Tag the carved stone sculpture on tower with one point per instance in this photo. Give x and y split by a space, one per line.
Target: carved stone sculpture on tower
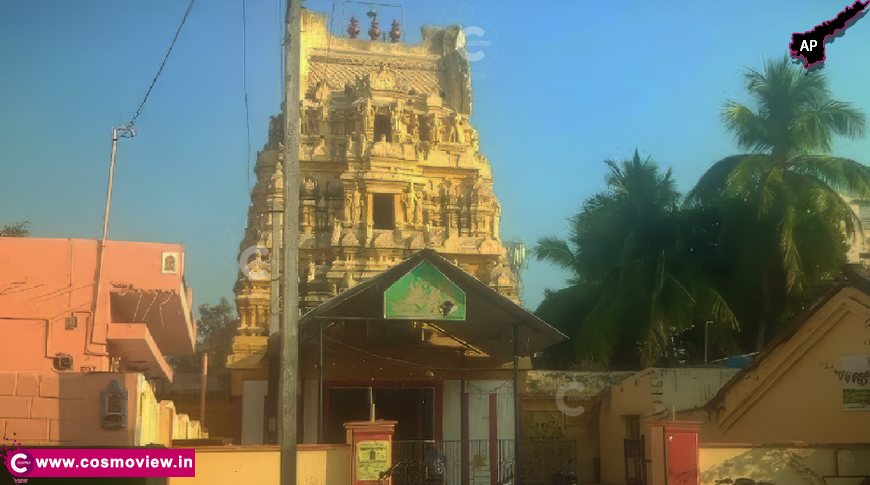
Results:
375 31
336 232
395 32
278 177
410 199
432 194
354 29
356 213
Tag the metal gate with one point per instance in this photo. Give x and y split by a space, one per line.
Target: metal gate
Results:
427 462
635 462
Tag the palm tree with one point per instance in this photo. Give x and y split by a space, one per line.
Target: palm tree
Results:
788 132
625 253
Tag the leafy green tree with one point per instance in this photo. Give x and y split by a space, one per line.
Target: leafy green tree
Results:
634 287
214 334
788 177
15 229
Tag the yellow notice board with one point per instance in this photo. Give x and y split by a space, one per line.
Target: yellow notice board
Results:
372 458
855 374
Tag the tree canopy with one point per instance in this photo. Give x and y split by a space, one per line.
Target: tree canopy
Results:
214 334
788 177
15 229
760 236
634 287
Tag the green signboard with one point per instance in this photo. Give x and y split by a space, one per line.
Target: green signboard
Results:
424 293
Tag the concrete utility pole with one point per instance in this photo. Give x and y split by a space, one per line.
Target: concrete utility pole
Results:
203 393
290 320
117 132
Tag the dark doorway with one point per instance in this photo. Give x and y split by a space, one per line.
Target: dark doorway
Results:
346 405
383 128
383 211
413 409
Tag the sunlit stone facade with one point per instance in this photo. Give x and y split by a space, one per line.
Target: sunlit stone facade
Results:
389 165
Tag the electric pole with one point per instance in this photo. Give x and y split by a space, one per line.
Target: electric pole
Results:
117 132
290 260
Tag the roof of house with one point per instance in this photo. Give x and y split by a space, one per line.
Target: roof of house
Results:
849 278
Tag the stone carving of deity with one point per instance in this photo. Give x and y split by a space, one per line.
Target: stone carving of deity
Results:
451 133
409 199
336 232
436 133
397 114
369 116
414 127
278 177
311 270
496 220
348 206
309 186
418 209
258 269
357 208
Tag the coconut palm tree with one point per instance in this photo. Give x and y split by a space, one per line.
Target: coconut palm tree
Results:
628 262
787 130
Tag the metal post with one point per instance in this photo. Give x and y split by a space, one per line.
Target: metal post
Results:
290 283
274 300
706 333
320 390
517 438
111 180
129 132
204 393
464 435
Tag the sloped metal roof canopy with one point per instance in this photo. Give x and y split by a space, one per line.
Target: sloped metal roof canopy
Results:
489 316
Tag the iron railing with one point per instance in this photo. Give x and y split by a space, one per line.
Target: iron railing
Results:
429 462
635 462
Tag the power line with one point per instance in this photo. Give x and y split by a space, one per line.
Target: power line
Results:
245 88
138 111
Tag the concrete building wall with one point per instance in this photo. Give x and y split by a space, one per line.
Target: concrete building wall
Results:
795 394
48 280
47 408
648 395
235 465
316 465
478 409
253 412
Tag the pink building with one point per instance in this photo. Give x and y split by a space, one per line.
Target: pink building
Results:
84 332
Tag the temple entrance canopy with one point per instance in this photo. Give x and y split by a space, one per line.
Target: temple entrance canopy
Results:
432 312
402 346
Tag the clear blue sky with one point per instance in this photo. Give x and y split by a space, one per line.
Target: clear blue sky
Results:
565 85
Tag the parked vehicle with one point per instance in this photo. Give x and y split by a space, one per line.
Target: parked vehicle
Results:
566 476
385 475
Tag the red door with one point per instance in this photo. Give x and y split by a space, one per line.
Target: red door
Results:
682 457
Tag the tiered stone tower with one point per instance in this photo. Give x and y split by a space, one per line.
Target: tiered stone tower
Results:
389 165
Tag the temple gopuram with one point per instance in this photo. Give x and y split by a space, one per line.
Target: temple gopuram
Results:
389 165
